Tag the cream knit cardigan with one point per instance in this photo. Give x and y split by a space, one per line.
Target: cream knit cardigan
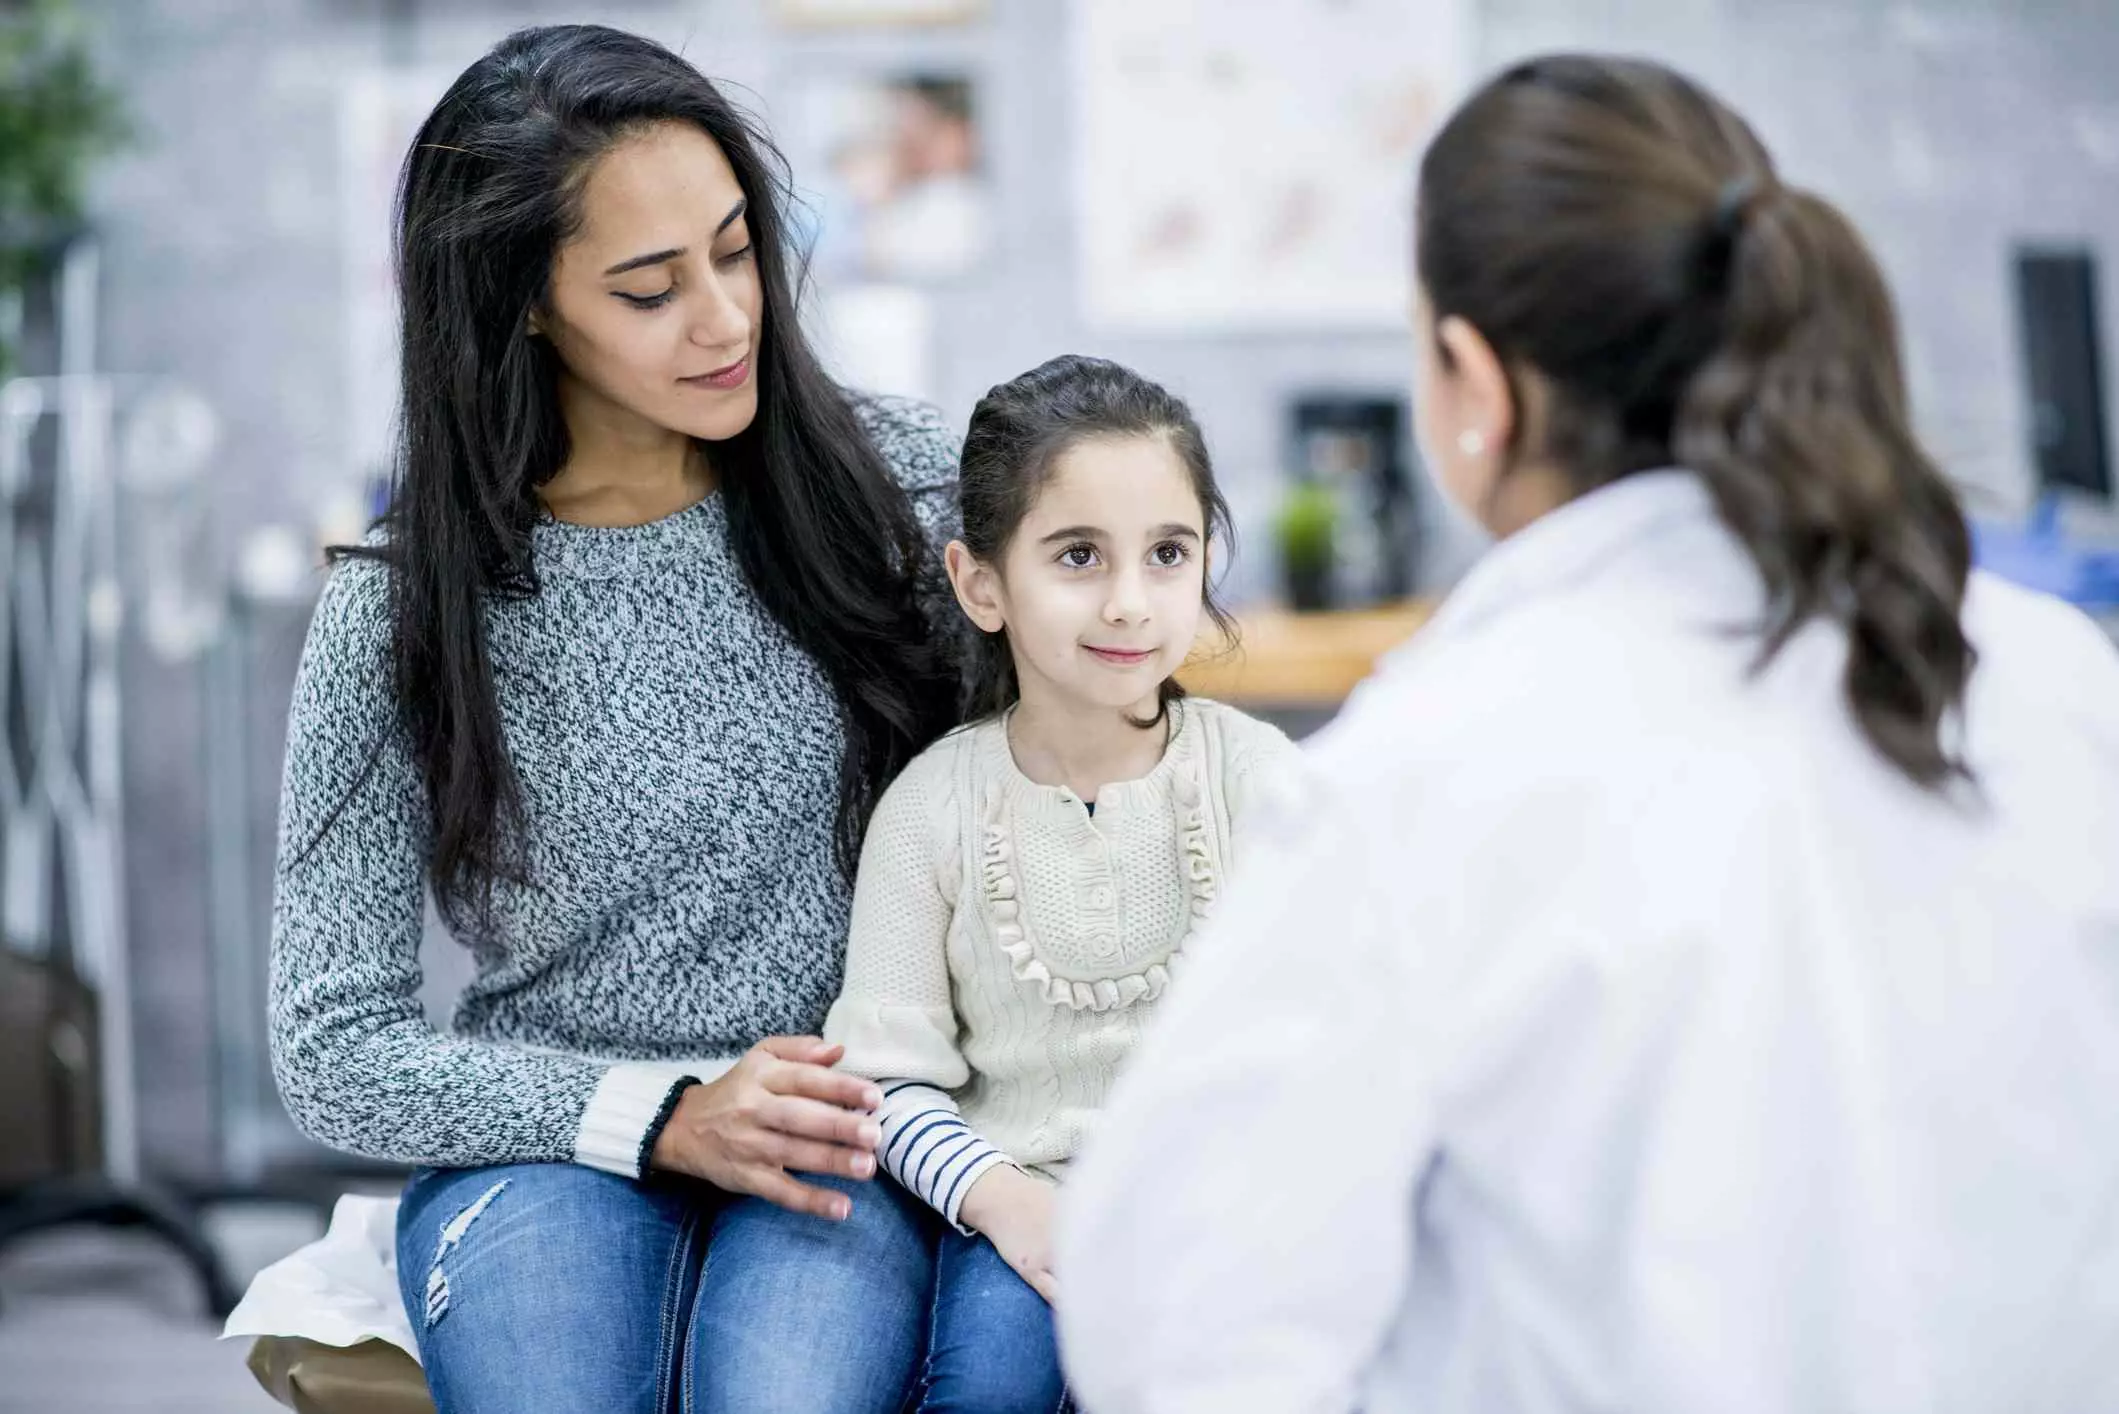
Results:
1007 947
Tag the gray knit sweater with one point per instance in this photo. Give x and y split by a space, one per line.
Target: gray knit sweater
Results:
679 760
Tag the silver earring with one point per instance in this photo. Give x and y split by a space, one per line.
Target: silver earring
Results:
1471 442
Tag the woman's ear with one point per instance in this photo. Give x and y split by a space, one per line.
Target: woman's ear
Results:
1485 403
977 586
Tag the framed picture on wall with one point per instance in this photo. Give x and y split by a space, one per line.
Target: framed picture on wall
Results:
1249 165
823 14
893 183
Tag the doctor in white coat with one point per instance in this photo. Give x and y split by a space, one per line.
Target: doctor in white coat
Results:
1691 981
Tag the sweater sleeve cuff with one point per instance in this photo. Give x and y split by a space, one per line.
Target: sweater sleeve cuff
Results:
625 1114
929 1149
952 1205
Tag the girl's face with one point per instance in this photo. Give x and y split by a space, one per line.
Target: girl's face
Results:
656 305
1102 587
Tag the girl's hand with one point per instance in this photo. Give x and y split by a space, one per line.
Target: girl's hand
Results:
781 1107
1013 1211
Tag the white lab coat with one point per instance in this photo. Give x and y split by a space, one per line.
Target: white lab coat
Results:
1613 1030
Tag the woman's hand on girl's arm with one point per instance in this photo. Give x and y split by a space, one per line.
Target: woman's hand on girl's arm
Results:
780 1108
1013 1211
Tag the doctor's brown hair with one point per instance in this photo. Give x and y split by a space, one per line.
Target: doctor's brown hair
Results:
1613 226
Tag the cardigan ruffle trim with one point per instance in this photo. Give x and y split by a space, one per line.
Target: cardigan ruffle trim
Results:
1004 896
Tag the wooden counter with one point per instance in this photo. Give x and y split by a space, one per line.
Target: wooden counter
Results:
1303 660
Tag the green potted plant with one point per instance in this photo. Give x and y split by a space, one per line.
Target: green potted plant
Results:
56 117
1305 530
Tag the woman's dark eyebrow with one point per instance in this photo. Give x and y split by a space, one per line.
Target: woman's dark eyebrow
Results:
735 213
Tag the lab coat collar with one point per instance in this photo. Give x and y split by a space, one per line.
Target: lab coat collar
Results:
1572 545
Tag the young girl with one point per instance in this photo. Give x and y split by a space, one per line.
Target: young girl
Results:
1031 883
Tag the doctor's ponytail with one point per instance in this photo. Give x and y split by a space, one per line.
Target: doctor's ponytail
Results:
1614 227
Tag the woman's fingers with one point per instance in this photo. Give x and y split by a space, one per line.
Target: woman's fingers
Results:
809 1156
1042 1283
809 1050
776 1187
811 1119
817 1083
814 1119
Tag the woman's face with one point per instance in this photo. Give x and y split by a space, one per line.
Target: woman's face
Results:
656 305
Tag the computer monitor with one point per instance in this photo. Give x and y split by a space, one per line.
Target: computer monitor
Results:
2056 300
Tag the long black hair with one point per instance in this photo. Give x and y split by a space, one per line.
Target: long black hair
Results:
823 533
1614 226
1018 433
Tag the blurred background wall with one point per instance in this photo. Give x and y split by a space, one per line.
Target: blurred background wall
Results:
1950 129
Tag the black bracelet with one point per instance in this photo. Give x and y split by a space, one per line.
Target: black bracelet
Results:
661 1121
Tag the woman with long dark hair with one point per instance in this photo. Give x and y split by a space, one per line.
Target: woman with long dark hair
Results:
615 682
1693 981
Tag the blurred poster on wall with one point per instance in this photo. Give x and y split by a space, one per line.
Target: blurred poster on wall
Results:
891 175
829 13
1242 164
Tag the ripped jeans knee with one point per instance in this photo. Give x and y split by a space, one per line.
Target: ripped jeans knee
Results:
547 1286
452 1233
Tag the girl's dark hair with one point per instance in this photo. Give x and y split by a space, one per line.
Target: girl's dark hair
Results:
1613 226
1019 431
824 535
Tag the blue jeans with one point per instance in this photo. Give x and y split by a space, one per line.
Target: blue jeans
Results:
990 1343
557 1287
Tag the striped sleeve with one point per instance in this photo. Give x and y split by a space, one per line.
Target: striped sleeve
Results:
929 1149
